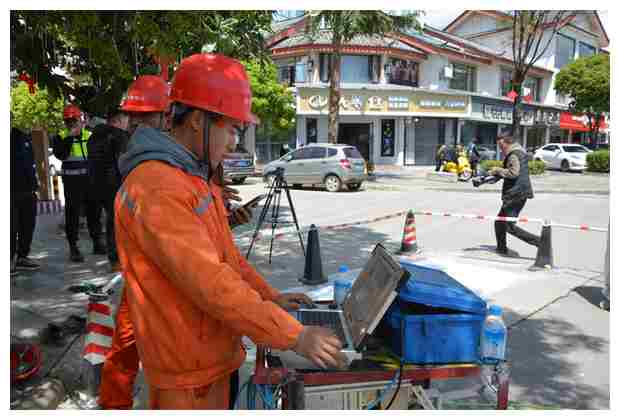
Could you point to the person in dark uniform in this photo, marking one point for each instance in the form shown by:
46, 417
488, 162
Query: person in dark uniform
473, 154
516, 190
106, 144
71, 146
23, 201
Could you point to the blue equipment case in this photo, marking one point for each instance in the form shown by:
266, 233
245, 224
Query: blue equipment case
435, 319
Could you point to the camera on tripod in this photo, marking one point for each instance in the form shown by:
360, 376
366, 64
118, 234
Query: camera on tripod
484, 178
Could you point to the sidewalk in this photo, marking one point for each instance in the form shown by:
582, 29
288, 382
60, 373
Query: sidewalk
558, 337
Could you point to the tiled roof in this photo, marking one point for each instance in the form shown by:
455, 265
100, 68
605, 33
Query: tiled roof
324, 38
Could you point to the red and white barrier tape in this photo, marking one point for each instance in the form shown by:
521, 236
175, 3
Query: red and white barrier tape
579, 227
480, 217
305, 229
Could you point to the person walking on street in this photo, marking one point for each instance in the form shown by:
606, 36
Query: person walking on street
71, 146
107, 142
177, 251
516, 190
439, 156
23, 201
473, 154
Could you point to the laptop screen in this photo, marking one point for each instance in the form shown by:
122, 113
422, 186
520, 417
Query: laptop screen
372, 293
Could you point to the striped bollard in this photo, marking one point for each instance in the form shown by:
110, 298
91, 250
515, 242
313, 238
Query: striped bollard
409, 244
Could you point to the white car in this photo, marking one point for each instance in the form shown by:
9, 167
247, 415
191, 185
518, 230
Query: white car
563, 156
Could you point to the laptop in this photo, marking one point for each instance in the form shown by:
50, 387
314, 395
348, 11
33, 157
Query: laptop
373, 292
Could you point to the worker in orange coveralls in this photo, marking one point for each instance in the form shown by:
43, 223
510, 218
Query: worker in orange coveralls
191, 295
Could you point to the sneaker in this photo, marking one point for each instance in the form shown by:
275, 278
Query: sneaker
99, 248
76, 255
25, 263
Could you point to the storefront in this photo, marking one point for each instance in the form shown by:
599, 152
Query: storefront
492, 116
575, 128
395, 127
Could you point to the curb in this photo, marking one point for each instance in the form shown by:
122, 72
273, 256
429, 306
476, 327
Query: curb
588, 192
599, 174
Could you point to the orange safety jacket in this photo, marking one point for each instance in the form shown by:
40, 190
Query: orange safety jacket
191, 294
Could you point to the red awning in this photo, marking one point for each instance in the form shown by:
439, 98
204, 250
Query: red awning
577, 122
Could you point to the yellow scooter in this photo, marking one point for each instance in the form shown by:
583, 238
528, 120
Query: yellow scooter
462, 168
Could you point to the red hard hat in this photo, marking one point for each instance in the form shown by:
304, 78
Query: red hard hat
215, 83
147, 94
71, 112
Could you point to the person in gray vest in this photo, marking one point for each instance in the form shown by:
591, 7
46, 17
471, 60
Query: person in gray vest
517, 189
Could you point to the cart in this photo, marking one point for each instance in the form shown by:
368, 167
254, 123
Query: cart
297, 386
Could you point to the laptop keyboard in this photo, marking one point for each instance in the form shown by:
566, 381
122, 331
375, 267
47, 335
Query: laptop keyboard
326, 319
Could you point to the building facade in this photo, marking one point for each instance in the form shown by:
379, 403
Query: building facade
402, 96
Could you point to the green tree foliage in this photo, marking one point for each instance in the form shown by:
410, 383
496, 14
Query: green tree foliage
586, 81
344, 26
598, 161
102, 51
272, 102
40, 110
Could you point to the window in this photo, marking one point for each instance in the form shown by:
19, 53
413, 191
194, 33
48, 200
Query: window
551, 148
311, 131
586, 50
317, 152
531, 86
352, 152
575, 149
332, 152
303, 153
292, 72
403, 72
463, 77
505, 81
565, 51
354, 69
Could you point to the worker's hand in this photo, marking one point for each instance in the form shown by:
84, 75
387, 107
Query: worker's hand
321, 347
231, 194
240, 216
292, 301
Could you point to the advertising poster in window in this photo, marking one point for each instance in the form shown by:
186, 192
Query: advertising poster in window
387, 138
403, 72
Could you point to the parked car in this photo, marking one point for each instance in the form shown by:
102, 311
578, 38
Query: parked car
328, 164
238, 165
563, 156
486, 152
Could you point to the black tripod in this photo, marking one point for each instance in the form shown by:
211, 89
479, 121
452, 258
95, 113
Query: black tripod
275, 192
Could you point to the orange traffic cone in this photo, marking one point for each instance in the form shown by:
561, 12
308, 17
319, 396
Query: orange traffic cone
409, 243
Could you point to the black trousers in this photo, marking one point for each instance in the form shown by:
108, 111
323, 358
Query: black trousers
23, 222
513, 209
78, 193
105, 199
474, 167
234, 389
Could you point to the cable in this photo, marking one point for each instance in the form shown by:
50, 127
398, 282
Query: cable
402, 357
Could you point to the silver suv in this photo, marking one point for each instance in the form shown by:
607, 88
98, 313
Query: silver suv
332, 165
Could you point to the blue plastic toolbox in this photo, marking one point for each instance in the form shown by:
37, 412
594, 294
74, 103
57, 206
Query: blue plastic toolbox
435, 319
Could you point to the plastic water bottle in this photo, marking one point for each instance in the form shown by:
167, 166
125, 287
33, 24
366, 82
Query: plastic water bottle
343, 281
493, 337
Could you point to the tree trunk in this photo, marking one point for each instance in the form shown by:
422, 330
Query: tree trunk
517, 113
334, 94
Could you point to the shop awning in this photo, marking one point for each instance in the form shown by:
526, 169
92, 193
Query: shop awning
578, 122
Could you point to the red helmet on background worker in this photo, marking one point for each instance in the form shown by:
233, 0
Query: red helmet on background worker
147, 94
215, 83
71, 112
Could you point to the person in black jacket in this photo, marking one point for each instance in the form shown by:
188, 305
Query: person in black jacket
107, 142
516, 190
23, 201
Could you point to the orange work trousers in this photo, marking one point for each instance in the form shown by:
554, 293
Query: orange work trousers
214, 396
121, 364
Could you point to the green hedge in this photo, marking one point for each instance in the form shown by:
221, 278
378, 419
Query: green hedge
536, 167
598, 161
